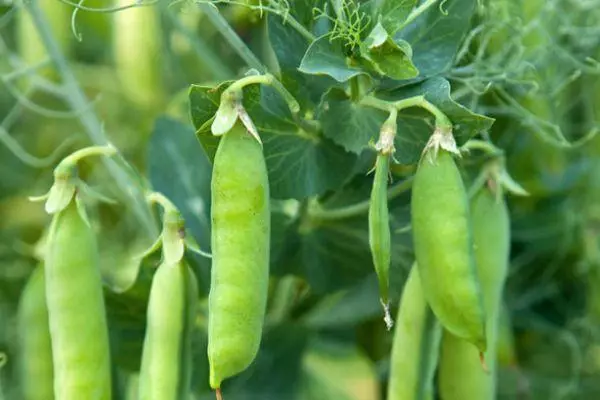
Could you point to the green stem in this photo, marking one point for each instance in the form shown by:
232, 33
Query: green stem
318, 213
484, 146
232, 37
92, 125
213, 62
267, 79
288, 19
441, 120
162, 200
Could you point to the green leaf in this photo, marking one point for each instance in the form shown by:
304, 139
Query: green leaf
346, 307
414, 130
393, 13
347, 123
388, 57
435, 37
335, 255
300, 164
289, 48
325, 57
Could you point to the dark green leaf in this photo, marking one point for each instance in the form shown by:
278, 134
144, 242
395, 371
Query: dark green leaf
325, 57
393, 13
334, 254
347, 123
289, 47
436, 37
388, 57
300, 164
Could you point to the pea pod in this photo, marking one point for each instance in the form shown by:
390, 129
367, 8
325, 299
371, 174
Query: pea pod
165, 371
35, 348
240, 251
76, 311
416, 345
444, 247
379, 230
461, 376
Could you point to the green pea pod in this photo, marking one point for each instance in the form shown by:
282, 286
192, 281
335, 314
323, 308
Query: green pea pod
416, 345
379, 230
240, 254
444, 247
138, 54
166, 365
35, 348
461, 375
76, 310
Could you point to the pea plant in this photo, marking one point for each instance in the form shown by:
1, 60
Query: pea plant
304, 200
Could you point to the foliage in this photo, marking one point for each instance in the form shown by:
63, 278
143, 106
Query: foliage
521, 76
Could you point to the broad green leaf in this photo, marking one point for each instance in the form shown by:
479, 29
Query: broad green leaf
335, 370
300, 163
388, 57
435, 36
325, 57
347, 123
289, 47
346, 307
392, 13
413, 127
335, 255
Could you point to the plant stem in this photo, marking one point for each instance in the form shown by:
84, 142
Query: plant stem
267, 79
92, 125
484, 146
317, 213
441, 120
288, 19
232, 37
207, 56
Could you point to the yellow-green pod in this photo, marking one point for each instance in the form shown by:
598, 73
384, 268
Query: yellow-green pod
30, 46
415, 347
379, 228
35, 348
506, 353
444, 247
76, 310
240, 254
137, 53
461, 375
166, 366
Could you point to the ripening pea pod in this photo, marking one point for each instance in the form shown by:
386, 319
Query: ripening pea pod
460, 373
137, 54
166, 358
35, 348
443, 245
415, 348
380, 240
30, 46
240, 254
74, 294
76, 309
166, 367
